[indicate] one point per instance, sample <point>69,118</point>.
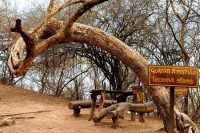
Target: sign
<point>173,76</point>
<point>139,97</point>
<point>139,94</point>
<point>180,91</point>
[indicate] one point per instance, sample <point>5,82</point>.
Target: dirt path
<point>43,114</point>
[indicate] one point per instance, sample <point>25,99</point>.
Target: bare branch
<point>17,27</point>
<point>190,7</point>
<point>188,12</point>
<point>29,41</point>
<point>183,22</point>
<point>170,26</point>
<point>174,10</point>
<point>53,5</point>
<point>54,12</point>
<point>79,12</point>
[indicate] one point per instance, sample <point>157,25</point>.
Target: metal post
<point>172,124</point>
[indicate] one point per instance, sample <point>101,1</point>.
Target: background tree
<point>6,16</point>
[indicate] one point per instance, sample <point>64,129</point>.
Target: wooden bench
<point>120,96</point>
<point>76,106</point>
<point>115,110</point>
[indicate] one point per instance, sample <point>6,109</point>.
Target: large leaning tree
<point>51,31</point>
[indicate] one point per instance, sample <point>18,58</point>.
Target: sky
<point>24,5</point>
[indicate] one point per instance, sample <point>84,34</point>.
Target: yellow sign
<point>139,94</point>
<point>139,97</point>
<point>173,76</point>
<point>180,91</point>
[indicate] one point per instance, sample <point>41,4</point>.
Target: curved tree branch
<point>54,39</point>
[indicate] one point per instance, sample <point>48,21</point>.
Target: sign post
<point>173,76</point>
<point>172,124</point>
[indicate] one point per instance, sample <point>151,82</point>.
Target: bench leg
<point>141,117</point>
<point>132,116</point>
<point>76,112</point>
<point>115,121</point>
<point>93,107</point>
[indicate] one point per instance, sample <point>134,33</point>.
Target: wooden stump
<point>114,111</point>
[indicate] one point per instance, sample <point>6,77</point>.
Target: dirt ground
<point>36,113</point>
